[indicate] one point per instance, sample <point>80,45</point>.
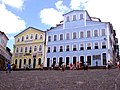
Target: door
<point>82,60</point>
<point>20,63</point>
<point>89,60</point>
<point>34,63</point>
<point>74,61</point>
<point>48,62</point>
<point>60,61</point>
<point>67,61</point>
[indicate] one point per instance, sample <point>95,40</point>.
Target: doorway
<point>34,63</point>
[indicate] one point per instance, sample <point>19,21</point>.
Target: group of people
<point>77,66</point>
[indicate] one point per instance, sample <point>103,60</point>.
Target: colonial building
<point>5,55</point>
<point>81,38</point>
<point>29,48</point>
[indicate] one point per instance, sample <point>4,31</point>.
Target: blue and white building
<point>81,38</point>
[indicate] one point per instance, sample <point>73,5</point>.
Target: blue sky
<point>17,15</point>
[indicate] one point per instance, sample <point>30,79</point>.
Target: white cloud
<point>14,3</point>
<point>78,4</point>
<point>106,10</point>
<point>50,16</point>
<point>9,22</point>
<point>62,8</point>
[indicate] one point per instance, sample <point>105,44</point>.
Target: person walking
<point>109,65</point>
<point>8,68</point>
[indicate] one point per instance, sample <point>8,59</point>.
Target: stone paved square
<point>101,79</point>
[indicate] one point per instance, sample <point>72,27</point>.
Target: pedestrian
<point>109,65</point>
<point>118,64</point>
<point>63,66</point>
<point>71,66</point>
<point>8,68</point>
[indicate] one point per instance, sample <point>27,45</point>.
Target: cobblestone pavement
<point>101,79</point>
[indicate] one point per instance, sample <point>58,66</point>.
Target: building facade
<point>5,55</point>
<point>29,48</point>
<point>81,38</point>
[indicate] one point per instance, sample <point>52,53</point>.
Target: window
<point>49,38</point>
<point>21,50</point>
<point>39,61</point>
<point>96,57</point>
<point>81,35</point>
<point>67,19</point>
<point>61,36</point>
<point>74,17</point>
<point>17,50</point>
<point>18,40</point>
<point>95,45</point>
<point>81,16</point>
<point>41,36</point>
<point>31,36</point>
<point>67,48</point>
<point>55,37</point>
<point>96,33</point>
<point>26,37</point>
<point>40,48</point>
<point>74,47</point>
<point>54,49</point>
<point>22,38</point>
<point>88,46</point>
<point>103,45</point>
<point>35,48</point>
<point>74,35</point>
<point>61,48</point>
<point>16,61</point>
<point>103,32</point>
<point>88,34</point>
<point>48,50</point>
<point>36,36</point>
<point>67,36</point>
<point>81,46</point>
<point>25,49</point>
<point>30,50</point>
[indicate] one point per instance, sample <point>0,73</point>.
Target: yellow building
<point>29,48</point>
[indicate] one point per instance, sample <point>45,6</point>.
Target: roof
<point>78,11</point>
<point>4,34</point>
<point>29,28</point>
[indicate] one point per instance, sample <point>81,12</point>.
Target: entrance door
<point>104,59</point>
<point>34,63</point>
<point>89,60</point>
<point>54,61</point>
<point>20,63</point>
<point>48,62</point>
<point>67,61</point>
<point>82,59</point>
<point>74,61</point>
<point>60,61</point>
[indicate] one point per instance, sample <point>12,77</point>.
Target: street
<point>97,79</point>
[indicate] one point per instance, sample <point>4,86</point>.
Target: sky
<point>17,15</point>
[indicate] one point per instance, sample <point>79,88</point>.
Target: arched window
<point>17,50</point>
<point>39,61</point>
<point>15,61</point>
<point>40,48</point>
<point>30,50</point>
<point>21,49</point>
<point>22,38</point>
<point>25,49</point>
<point>35,48</point>
<point>41,36</point>
<point>36,36</point>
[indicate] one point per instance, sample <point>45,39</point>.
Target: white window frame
<point>50,38</point>
<point>76,35</point>
<point>82,16</point>
<point>87,45</point>
<point>73,46</point>
<point>90,34</point>
<point>59,36</point>
<point>80,46</point>
<point>94,45</point>
<point>54,38</point>
<point>66,36</point>
<point>74,17</point>
<point>97,32</point>
<point>80,34</point>
<point>66,47</point>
